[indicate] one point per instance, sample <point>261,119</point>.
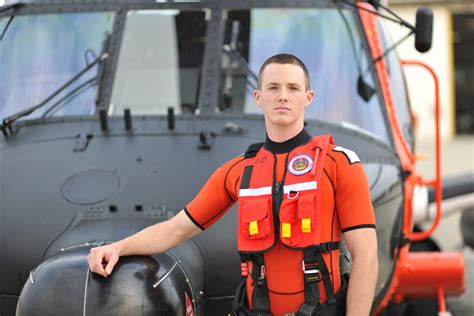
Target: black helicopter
<point>114,113</point>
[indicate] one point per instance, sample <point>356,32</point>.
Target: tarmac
<point>457,158</point>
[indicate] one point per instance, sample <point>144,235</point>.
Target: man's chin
<point>283,122</point>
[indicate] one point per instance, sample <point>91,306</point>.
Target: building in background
<point>451,57</point>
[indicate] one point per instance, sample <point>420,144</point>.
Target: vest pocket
<point>256,222</point>
<point>298,220</point>
<point>288,225</point>
<point>306,212</point>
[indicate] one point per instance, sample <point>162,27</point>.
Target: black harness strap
<point>260,299</point>
<point>315,270</point>
<point>247,175</point>
<point>253,150</point>
<point>238,305</point>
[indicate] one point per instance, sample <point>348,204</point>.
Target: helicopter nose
<point>139,285</point>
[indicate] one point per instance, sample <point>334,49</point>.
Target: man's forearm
<point>154,239</point>
<point>159,237</point>
<point>361,289</point>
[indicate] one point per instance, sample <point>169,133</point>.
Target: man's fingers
<point>111,263</point>
<point>98,267</point>
<point>95,259</point>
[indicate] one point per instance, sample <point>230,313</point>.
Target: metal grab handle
<point>436,182</point>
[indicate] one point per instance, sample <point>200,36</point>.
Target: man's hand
<point>151,240</point>
<point>103,259</point>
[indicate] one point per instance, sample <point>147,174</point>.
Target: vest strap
<point>260,299</point>
<point>238,304</point>
<point>315,270</point>
<point>253,150</point>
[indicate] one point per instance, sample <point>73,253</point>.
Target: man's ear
<point>256,97</point>
<point>309,97</point>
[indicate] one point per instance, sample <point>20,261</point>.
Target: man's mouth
<point>282,108</point>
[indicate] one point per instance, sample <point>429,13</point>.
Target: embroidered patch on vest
<point>300,164</point>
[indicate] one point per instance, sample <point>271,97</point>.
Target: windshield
<point>160,62</point>
<point>39,53</point>
<point>326,40</point>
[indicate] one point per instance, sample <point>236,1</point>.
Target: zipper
<point>277,203</point>
<point>277,194</point>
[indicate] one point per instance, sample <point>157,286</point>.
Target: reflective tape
<point>255,192</point>
<point>297,187</point>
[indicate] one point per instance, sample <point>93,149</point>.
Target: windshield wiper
<point>6,125</point>
<point>235,56</point>
<point>236,59</point>
<point>79,89</point>
<point>13,6</point>
<point>242,63</point>
<point>73,93</point>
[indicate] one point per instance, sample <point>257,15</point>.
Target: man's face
<point>283,95</point>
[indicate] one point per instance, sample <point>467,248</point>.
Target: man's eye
<point>272,88</point>
<point>294,88</point>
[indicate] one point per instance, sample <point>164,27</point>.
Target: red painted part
<point>436,273</point>
<point>189,306</point>
<point>369,23</point>
<point>435,183</point>
<point>441,299</point>
<point>426,274</point>
<point>244,271</point>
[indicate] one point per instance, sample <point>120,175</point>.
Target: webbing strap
<point>315,270</point>
<point>316,253</point>
<point>252,150</point>
<point>246,177</point>
<point>238,304</point>
<point>260,299</point>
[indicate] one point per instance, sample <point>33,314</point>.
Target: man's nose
<point>283,96</point>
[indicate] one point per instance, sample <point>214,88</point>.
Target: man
<point>297,194</point>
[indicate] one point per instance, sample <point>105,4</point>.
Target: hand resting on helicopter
<point>151,240</point>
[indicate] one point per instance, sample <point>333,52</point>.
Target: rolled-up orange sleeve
<point>217,195</point>
<point>353,203</point>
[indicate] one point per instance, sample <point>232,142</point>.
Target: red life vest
<point>296,202</point>
<point>289,210</point>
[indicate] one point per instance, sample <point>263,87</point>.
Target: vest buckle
<point>311,273</point>
<point>262,272</point>
<point>261,279</point>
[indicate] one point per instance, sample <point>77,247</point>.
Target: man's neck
<point>280,135</point>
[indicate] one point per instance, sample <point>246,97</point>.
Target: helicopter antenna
<point>171,119</point>
<point>103,120</point>
<point>127,118</point>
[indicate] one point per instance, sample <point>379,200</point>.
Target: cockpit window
<point>328,42</point>
<point>160,62</point>
<point>40,53</point>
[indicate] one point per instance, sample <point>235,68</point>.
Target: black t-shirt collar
<point>279,148</point>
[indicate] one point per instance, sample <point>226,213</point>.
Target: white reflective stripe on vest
<point>312,185</point>
<point>255,192</point>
